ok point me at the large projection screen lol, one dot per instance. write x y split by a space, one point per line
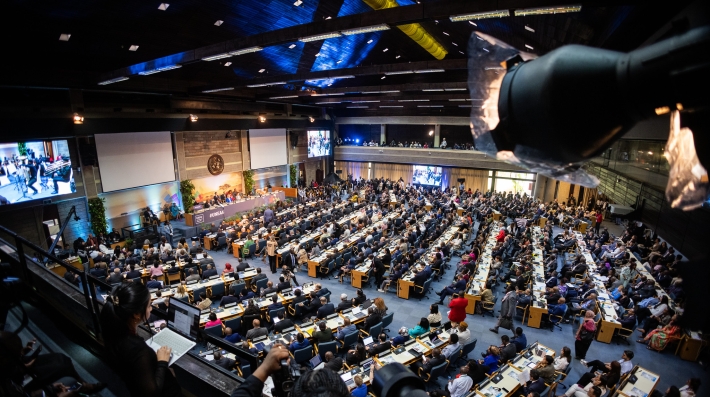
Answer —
134 159
268 147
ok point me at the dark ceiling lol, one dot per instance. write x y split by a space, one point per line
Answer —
102 32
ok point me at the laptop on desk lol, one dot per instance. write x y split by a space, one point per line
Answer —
182 330
367 342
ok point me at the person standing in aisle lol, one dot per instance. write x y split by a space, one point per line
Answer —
271 246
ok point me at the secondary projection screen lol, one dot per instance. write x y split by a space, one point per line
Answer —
268 147
134 159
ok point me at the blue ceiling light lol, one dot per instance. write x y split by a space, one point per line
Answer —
159 65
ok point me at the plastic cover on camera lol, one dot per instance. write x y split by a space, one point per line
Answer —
688 186
486 60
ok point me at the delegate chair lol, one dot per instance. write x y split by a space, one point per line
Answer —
434 374
349 341
215 331
217 290
303 355
325 347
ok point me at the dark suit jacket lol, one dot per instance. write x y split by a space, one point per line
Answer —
380 347
209 273
313 306
419 278
372 319
224 362
322 292
286 261
325 310
227 299
242 266
433 362
269 290
282 325
344 305
259 277
283 286
336 364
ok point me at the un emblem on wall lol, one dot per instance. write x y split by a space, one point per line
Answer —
215 165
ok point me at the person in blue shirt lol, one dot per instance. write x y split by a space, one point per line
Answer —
299 343
275 304
520 340
420 328
231 336
491 359
346 329
360 389
401 338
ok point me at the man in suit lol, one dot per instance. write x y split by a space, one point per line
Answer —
283 284
290 259
458 285
320 291
224 362
372 319
209 272
268 216
269 289
115 277
419 278
98 272
332 362
259 275
227 299
257 331
344 303
325 308
275 304
383 345
428 363
536 384
507 308
346 329
507 349
193 276
242 266
312 305
282 324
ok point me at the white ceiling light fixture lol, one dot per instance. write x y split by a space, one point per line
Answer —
193 118
528 46
391 106
298 3
399 72
430 106
455 89
369 41
158 70
445 33
318 37
383 77
366 101
246 50
454 44
284 97
385 50
218 90
366 29
292 46
228 64
133 48
358 107
219 22
480 15
318 54
64 37
326 103
262 119
429 71
462 52
431 132
380 92
262 70
412 100
339 61
529 29
311 119
548 10
265 84
433 90
397 57
329 17
163 6
472 23
114 80
78 119
216 57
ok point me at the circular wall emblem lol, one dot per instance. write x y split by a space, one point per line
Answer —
215 165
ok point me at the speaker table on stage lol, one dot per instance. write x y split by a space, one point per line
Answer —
217 213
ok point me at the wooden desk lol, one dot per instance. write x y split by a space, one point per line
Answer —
224 314
496 216
472 300
690 346
236 248
542 222
120 244
535 315
403 287
609 323
313 268
645 384
459 211
207 241
357 276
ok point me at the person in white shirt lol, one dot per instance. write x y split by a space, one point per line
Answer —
563 360
691 387
463 333
443 144
460 385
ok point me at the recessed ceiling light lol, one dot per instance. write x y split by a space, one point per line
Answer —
456 89
397 57
330 84
318 54
480 15
429 71
486 50
528 28
64 37
219 22
528 46
292 46
163 6
114 80
262 70
284 97
472 23
454 44
548 10
383 77
366 29
461 52
369 41
445 33
319 37
328 18
391 106
358 107
433 89
385 50
298 3
218 90
228 64
133 48
339 61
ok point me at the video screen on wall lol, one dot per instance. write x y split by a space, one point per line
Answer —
35 170
427 175
318 143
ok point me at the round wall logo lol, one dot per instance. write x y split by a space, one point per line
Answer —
215 165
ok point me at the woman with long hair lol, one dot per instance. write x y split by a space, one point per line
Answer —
144 371
420 328
434 316
658 338
563 360
380 307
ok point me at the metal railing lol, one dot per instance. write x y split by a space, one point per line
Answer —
30 272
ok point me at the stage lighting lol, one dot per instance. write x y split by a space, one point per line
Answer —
78 119
311 119
262 119
431 133
554 113
357 141
193 118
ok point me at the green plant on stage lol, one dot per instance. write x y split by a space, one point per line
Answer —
97 213
129 243
22 148
186 190
294 175
248 177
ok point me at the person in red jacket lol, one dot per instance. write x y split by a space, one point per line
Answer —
501 235
599 220
458 308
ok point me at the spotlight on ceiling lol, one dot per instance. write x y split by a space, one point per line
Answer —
163 6
64 37
78 119
431 132
311 119
228 64
298 3
219 22
262 119
193 118
133 47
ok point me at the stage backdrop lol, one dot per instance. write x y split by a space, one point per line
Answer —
132 201
220 183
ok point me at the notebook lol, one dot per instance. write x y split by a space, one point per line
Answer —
182 330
